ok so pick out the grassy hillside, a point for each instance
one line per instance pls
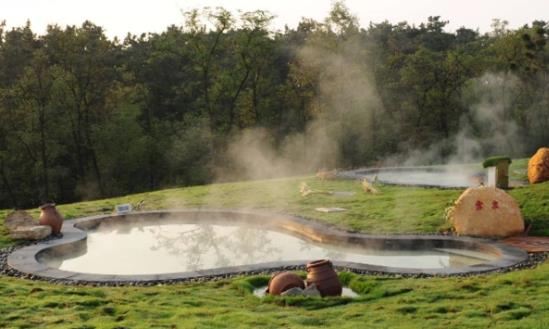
(511, 300)
(395, 210)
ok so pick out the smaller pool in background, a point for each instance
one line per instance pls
(156, 247)
(435, 176)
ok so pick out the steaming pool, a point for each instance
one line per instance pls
(158, 246)
(461, 176)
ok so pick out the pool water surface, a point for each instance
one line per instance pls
(151, 248)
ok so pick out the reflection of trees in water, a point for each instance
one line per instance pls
(332, 254)
(227, 245)
(224, 243)
(441, 263)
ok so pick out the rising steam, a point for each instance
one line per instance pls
(342, 117)
(486, 129)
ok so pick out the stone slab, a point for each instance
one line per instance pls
(529, 243)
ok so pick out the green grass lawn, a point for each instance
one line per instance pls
(512, 300)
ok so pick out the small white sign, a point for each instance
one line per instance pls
(123, 208)
(491, 176)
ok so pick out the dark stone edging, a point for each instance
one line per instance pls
(533, 260)
(22, 262)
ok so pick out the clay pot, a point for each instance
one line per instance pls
(322, 274)
(283, 281)
(51, 217)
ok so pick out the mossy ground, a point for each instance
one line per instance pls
(511, 300)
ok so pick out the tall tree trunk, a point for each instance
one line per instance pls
(76, 125)
(91, 149)
(96, 170)
(255, 100)
(43, 151)
(206, 80)
(235, 98)
(6, 183)
(41, 99)
(152, 177)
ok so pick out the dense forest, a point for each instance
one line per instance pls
(223, 96)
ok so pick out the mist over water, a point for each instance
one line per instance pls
(342, 119)
(351, 125)
(486, 129)
(345, 110)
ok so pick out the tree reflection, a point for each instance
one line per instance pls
(204, 245)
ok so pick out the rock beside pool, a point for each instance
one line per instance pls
(324, 174)
(538, 166)
(36, 232)
(487, 212)
(21, 225)
(310, 291)
(19, 218)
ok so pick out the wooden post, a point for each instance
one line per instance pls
(502, 174)
(498, 171)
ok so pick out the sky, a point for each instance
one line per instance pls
(119, 17)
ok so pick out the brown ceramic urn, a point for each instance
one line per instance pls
(283, 281)
(322, 274)
(51, 217)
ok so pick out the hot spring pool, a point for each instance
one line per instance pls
(178, 245)
(169, 248)
(435, 176)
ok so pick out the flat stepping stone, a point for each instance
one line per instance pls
(343, 193)
(330, 209)
(529, 243)
(35, 232)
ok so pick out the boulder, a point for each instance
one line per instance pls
(36, 232)
(21, 225)
(538, 166)
(310, 291)
(295, 291)
(324, 174)
(19, 218)
(487, 212)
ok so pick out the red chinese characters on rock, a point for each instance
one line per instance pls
(479, 205)
(487, 212)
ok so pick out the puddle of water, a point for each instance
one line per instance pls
(153, 248)
(345, 292)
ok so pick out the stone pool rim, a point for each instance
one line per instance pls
(25, 260)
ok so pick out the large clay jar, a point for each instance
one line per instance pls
(283, 281)
(51, 217)
(322, 274)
